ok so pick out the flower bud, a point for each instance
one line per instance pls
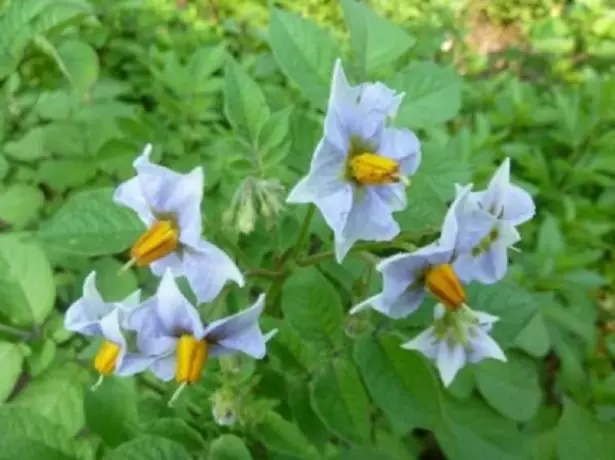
(224, 407)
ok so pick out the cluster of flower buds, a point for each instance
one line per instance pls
(358, 179)
(170, 339)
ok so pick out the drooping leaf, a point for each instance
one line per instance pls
(150, 447)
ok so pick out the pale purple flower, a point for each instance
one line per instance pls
(356, 122)
(158, 193)
(455, 339)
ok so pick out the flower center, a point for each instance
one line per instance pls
(159, 240)
(191, 357)
(106, 358)
(443, 283)
(484, 244)
(372, 169)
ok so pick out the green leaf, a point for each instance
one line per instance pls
(284, 437)
(580, 435)
(26, 435)
(511, 388)
(305, 53)
(400, 382)
(303, 413)
(150, 448)
(112, 287)
(313, 308)
(62, 174)
(111, 410)
(433, 94)
(534, 339)
(79, 63)
(30, 147)
(229, 447)
(27, 288)
(11, 363)
(57, 396)
(471, 430)
(339, 399)
(432, 187)
(91, 224)
(244, 102)
(176, 430)
(42, 354)
(274, 130)
(550, 239)
(514, 305)
(375, 41)
(20, 204)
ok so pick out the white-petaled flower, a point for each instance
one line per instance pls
(455, 339)
(408, 277)
(507, 206)
(359, 171)
(91, 315)
(169, 329)
(169, 204)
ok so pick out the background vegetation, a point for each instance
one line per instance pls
(85, 84)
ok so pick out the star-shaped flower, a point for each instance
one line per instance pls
(457, 338)
(169, 204)
(91, 315)
(359, 171)
(408, 277)
(169, 328)
(506, 205)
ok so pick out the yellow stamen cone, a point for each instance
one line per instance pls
(443, 283)
(161, 239)
(372, 169)
(191, 357)
(106, 358)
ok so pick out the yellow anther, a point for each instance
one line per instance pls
(443, 283)
(106, 358)
(191, 357)
(161, 239)
(373, 169)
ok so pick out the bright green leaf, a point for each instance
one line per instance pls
(30, 147)
(284, 437)
(375, 41)
(62, 174)
(399, 381)
(111, 410)
(90, 224)
(41, 356)
(176, 430)
(534, 339)
(229, 447)
(313, 308)
(304, 52)
(511, 388)
(580, 435)
(244, 103)
(433, 94)
(20, 204)
(338, 397)
(150, 448)
(27, 288)
(11, 363)
(79, 63)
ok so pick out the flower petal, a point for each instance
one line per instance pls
(83, 316)
(208, 269)
(450, 359)
(519, 206)
(240, 332)
(493, 199)
(130, 194)
(172, 262)
(324, 186)
(164, 367)
(394, 195)
(483, 347)
(174, 310)
(132, 364)
(403, 146)
(342, 99)
(401, 306)
(369, 219)
(426, 342)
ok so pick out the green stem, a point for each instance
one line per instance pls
(303, 233)
(366, 246)
(264, 273)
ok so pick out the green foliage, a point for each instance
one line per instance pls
(241, 88)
